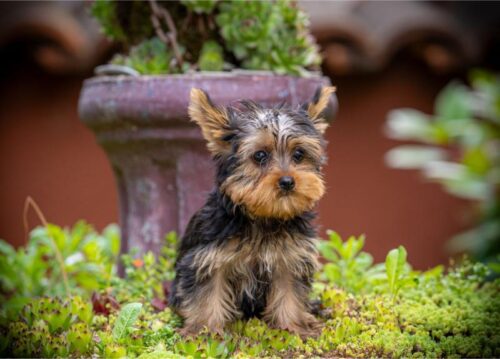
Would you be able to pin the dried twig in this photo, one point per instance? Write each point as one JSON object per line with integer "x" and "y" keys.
{"x": 29, "y": 202}
{"x": 187, "y": 20}
{"x": 170, "y": 38}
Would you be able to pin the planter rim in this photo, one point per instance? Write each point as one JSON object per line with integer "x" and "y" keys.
{"x": 200, "y": 75}
{"x": 163, "y": 100}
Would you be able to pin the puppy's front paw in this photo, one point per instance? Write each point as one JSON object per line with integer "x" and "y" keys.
{"x": 311, "y": 328}
{"x": 307, "y": 327}
{"x": 189, "y": 331}
{"x": 193, "y": 330}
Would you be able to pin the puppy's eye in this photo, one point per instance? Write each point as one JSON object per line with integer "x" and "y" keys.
{"x": 298, "y": 155}
{"x": 260, "y": 156}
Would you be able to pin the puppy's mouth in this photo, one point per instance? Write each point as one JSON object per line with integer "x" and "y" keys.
{"x": 286, "y": 192}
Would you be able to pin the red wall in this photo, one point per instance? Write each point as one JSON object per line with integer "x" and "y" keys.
{"x": 389, "y": 206}
{"x": 47, "y": 153}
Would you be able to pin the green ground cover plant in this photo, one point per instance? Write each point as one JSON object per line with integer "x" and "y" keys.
{"x": 368, "y": 310}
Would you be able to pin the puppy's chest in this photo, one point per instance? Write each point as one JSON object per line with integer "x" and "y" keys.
{"x": 268, "y": 253}
{"x": 253, "y": 255}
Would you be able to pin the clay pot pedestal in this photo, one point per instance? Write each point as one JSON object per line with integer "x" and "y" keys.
{"x": 162, "y": 168}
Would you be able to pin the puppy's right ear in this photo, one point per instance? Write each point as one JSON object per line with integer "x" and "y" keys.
{"x": 319, "y": 108}
{"x": 213, "y": 121}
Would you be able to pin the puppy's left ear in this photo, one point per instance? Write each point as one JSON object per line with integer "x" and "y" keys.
{"x": 212, "y": 120}
{"x": 319, "y": 108}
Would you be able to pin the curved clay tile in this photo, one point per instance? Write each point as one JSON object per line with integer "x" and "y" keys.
{"x": 366, "y": 35}
{"x": 61, "y": 35}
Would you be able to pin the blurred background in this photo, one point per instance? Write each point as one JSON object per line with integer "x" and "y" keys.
{"x": 381, "y": 56}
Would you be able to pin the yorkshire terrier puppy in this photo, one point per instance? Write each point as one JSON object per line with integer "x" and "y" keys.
{"x": 249, "y": 251}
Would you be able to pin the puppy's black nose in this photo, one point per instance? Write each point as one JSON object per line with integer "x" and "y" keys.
{"x": 286, "y": 183}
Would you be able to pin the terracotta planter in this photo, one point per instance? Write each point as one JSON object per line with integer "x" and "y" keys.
{"x": 162, "y": 167}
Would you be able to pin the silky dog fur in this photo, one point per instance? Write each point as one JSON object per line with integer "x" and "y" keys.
{"x": 249, "y": 251}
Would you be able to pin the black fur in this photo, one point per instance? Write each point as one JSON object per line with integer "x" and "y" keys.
{"x": 218, "y": 220}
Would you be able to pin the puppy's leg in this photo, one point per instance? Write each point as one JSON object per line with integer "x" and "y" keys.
{"x": 287, "y": 306}
{"x": 213, "y": 305}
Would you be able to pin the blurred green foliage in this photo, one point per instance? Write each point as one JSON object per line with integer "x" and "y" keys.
{"x": 460, "y": 150}
{"x": 211, "y": 35}
{"x": 211, "y": 57}
{"x": 33, "y": 271}
{"x": 127, "y": 22}
{"x": 105, "y": 12}
{"x": 368, "y": 310}
{"x": 150, "y": 57}
{"x": 348, "y": 267}
{"x": 200, "y": 6}
{"x": 267, "y": 35}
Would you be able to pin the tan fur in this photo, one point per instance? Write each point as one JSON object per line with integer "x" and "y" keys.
{"x": 232, "y": 262}
{"x": 256, "y": 187}
{"x": 237, "y": 259}
{"x": 310, "y": 145}
{"x": 263, "y": 199}
{"x": 315, "y": 109}
{"x": 213, "y": 258}
{"x": 212, "y": 120}
{"x": 285, "y": 307}
{"x": 261, "y": 140}
{"x": 214, "y": 308}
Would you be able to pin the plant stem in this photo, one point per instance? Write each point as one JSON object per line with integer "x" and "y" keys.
{"x": 29, "y": 202}
{"x": 169, "y": 38}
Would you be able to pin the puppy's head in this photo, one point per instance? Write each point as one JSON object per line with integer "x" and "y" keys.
{"x": 269, "y": 160}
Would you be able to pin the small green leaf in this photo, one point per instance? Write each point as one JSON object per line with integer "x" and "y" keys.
{"x": 326, "y": 250}
{"x": 413, "y": 156}
{"x": 6, "y": 249}
{"x": 335, "y": 240}
{"x": 435, "y": 272}
{"x": 126, "y": 319}
{"x": 191, "y": 348}
{"x": 359, "y": 244}
{"x": 348, "y": 248}
{"x": 211, "y": 57}
{"x": 453, "y": 103}
{"x": 394, "y": 266}
{"x": 332, "y": 272}
{"x": 408, "y": 124}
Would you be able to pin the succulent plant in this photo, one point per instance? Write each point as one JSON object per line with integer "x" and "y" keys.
{"x": 210, "y": 35}
{"x": 211, "y": 57}
{"x": 267, "y": 35}
{"x": 79, "y": 338}
{"x": 150, "y": 57}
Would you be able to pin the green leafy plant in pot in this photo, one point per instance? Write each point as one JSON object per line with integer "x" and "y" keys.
{"x": 179, "y": 37}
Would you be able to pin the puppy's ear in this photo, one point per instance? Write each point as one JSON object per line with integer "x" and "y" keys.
{"x": 213, "y": 121}
{"x": 318, "y": 108}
